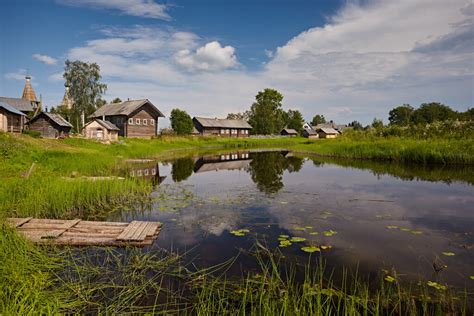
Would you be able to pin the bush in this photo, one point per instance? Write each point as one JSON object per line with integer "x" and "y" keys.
{"x": 34, "y": 134}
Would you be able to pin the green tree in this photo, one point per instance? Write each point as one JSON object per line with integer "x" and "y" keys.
{"x": 238, "y": 116}
{"x": 377, "y": 124}
{"x": 318, "y": 119}
{"x": 432, "y": 112}
{"x": 116, "y": 100}
{"x": 356, "y": 125}
{"x": 266, "y": 114}
{"x": 295, "y": 120}
{"x": 181, "y": 122}
{"x": 100, "y": 102}
{"x": 182, "y": 169}
{"x": 85, "y": 88}
{"x": 401, "y": 115}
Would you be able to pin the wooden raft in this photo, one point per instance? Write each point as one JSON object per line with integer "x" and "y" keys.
{"x": 77, "y": 232}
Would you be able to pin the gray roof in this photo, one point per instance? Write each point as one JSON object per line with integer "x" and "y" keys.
{"x": 18, "y": 103}
{"x": 108, "y": 125}
{"x": 10, "y": 108}
{"x": 124, "y": 108}
{"x": 290, "y": 131}
{"x": 224, "y": 165}
{"x": 329, "y": 130}
{"x": 222, "y": 123}
{"x": 56, "y": 118}
{"x": 309, "y": 131}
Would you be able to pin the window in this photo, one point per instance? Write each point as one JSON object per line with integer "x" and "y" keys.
{"x": 222, "y": 131}
{"x": 130, "y": 121}
{"x": 152, "y": 121}
{"x": 137, "y": 121}
{"x": 227, "y": 131}
{"x": 233, "y": 131}
{"x": 145, "y": 122}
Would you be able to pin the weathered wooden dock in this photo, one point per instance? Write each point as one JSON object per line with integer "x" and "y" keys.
{"x": 77, "y": 232}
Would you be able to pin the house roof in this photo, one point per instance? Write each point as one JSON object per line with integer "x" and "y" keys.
{"x": 309, "y": 131}
{"x": 329, "y": 130}
{"x": 19, "y": 104}
{"x": 108, "y": 125}
{"x": 289, "y": 131}
{"x": 10, "y": 108}
{"x": 56, "y": 118}
{"x": 124, "y": 108}
{"x": 222, "y": 123}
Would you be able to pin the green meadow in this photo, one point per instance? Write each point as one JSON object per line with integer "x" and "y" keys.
{"x": 52, "y": 179}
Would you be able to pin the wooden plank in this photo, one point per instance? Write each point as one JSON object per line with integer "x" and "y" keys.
{"x": 16, "y": 222}
{"x": 129, "y": 230}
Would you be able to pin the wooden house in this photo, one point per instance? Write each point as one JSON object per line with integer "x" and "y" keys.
{"x": 28, "y": 103}
{"x": 134, "y": 118}
{"x": 11, "y": 119}
{"x": 222, "y": 127}
{"x": 50, "y": 125}
{"x": 327, "y": 132}
{"x": 310, "y": 133}
{"x": 288, "y": 132}
{"x": 101, "y": 130}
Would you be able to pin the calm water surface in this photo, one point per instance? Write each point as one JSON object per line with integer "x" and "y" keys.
{"x": 374, "y": 216}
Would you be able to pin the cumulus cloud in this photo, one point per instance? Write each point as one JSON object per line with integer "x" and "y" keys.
{"x": 362, "y": 62}
{"x": 45, "y": 59}
{"x": 17, "y": 75}
{"x": 141, "y": 8}
{"x": 210, "y": 57}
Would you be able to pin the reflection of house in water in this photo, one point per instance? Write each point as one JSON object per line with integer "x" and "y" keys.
{"x": 229, "y": 161}
{"x": 148, "y": 172}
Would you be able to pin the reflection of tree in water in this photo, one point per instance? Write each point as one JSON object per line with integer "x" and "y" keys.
{"x": 182, "y": 169}
{"x": 266, "y": 170}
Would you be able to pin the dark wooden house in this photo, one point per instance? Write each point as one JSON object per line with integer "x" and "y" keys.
{"x": 11, "y": 119}
{"x": 134, "y": 118}
{"x": 222, "y": 127}
{"x": 50, "y": 125}
{"x": 288, "y": 132}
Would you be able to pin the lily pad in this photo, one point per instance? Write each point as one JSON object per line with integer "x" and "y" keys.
{"x": 403, "y": 229}
{"x": 329, "y": 233}
{"x": 284, "y": 236}
{"x": 392, "y": 227}
{"x": 300, "y": 228}
{"x": 314, "y": 233}
{"x": 240, "y": 232}
{"x": 285, "y": 243}
{"x": 297, "y": 239}
{"x": 437, "y": 286}
{"x": 390, "y": 279}
{"x": 310, "y": 249}
{"x": 325, "y": 247}
{"x": 308, "y": 227}
{"x": 471, "y": 277}
{"x": 448, "y": 254}
{"x": 416, "y": 232}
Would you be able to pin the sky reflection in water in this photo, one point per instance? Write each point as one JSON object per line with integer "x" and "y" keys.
{"x": 202, "y": 200}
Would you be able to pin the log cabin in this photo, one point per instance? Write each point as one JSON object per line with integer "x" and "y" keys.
{"x": 101, "y": 130}
{"x": 222, "y": 127}
{"x": 11, "y": 119}
{"x": 50, "y": 125}
{"x": 134, "y": 118}
{"x": 288, "y": 132}
{"x": 327, "y": 132}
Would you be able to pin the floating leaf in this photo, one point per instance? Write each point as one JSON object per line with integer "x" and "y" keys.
{"x": 416, "y": 232}
{"x": 403, "y": 229}
{"x": 308, "y": 227}
{"x": 471, "y": 277}
{"x": 297, "y": 239}
{"x": 310, "y": 249}
{"x": 392, "y": 227}
{"x": 325, "y": 247}
{"x": 284, "y": 236}
{"x": 314, "y": 233}
{"x": 285, "y": 243}
{"x": 449, "y": 254}
{"x": 240, "y": 232}
{"x": 390, "y": 279}
{"x": 283, "y": 202}
{"x": 300, "y": 228}
{"x": 437, "y": 286}
{"x": 329, "y": 233}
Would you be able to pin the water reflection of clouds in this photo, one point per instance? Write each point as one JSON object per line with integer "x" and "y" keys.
{"x": 354, "y": 202}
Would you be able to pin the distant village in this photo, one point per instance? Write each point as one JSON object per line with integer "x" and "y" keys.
{"x": 130, "y": 118}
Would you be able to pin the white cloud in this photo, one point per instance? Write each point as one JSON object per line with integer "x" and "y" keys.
{"x": 56, "y": 77}
{"x": 141, "y": 8}
{"x": 210, "y": 57}
{"x": 365, "y": 60}
{"x": 45, "y": 59}
{"x": 18, "y": 75}
{"x": 269, "y": 53}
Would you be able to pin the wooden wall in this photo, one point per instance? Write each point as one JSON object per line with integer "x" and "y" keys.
{"x": 142, "y": 131}
{"x": 92, "y": 131}
{"x": 10, "y": 122}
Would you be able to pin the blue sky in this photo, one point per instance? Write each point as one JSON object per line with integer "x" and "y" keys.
{"x": 344, "y": 59}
